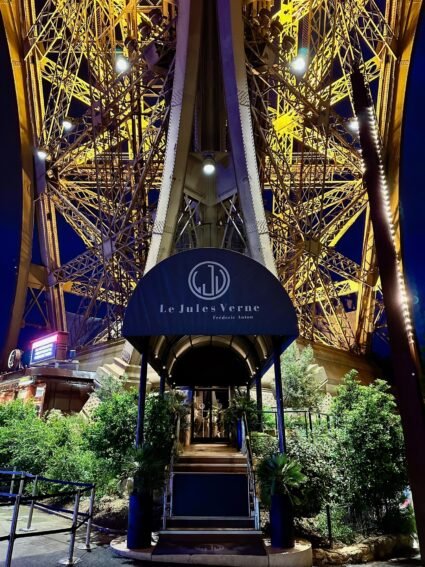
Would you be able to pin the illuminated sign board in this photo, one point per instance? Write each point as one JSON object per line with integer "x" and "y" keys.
{"x": 51, "y": 347}
{"x": 44, "y": 349}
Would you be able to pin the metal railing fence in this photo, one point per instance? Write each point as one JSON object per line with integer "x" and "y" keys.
{"x": 16, "y": 497}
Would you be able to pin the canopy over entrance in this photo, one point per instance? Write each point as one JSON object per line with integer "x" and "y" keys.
{"x": 209, "y": 315}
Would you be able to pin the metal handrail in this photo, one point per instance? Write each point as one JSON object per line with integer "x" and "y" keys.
{"x": 167, "y": 505}
{"x": 251, "y": 473}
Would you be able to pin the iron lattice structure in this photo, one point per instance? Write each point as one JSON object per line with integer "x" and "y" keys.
{"x": 102, "y": 173}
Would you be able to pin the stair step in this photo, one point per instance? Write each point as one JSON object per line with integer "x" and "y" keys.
{"x": 212, "y": 523}
{"x": 236, "y": 459}
{"x": 235, "y": 468}
{"x": 218, "y": 533}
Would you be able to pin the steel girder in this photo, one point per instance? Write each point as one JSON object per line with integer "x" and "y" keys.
{"x": 103, "y": 176}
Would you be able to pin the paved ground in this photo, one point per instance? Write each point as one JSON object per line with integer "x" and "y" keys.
{"x": 47, "y": 551}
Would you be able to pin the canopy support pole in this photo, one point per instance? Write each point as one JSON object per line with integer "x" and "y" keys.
{"x": 142, "y": 395}
{"x": 277, "y": 345}
{"x": 259, "y": 392}
{"x": 162, "y": 384}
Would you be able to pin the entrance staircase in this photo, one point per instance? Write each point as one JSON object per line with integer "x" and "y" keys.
{"x": 211, "y": 497}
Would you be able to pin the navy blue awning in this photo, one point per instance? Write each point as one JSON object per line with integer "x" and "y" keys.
{"x": 215, "y": 293}
{"x": 209, "y": 291}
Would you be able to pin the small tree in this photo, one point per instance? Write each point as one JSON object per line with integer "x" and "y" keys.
{"x": 369, "y": 447}
{"x": 300, "y": 386}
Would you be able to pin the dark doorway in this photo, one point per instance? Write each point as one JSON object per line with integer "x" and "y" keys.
{"x": 208, "y": 415}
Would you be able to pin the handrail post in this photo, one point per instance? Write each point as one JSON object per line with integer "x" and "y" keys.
{"x": 86, "y": 545}
{"x": 14, "y": 522}
{"x": 31, "y": 511}
{"x": 251, "y": 475}
{"x": 71, "y": 560}
{"x": 168, "y": 489}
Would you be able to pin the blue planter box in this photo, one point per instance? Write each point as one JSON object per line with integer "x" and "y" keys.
{"x": 139, "y": 532}
{"x": 281, "y": 522}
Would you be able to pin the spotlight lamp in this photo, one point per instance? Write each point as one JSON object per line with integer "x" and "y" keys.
{"x": 42, "y": 154}
{"x": 353, "y": 125}
{"x": 122, "y": 65}
{"x": 298, "y": 66}
{"x": 208, "y": 166}
{"x": 67, "y": 124}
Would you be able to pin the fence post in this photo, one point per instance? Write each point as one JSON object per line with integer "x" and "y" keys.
{"x": 71, "y": 560}
{"x": 86, "y": 546}
{"x": 31, "y": 511}
{"x": 310, "y": 423}
{"x": 14, "y": 522}
{"x": 329, "y": 523}
{"x": 12, "y": 482}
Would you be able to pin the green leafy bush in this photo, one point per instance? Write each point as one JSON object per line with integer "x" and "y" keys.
{"x": 239, "y": 406}
{"x": 301, "y": 389}
{"x": 342, "y": 529}
{"x": 262, "y": 444}
{"x": 160, "y": 418}
{"x": 316, "y": 460}
{"x": 368, "y": 445}
{"x": 110, "y": 433}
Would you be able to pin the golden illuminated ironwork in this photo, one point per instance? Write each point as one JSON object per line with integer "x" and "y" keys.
{"x": 94, "y": 82}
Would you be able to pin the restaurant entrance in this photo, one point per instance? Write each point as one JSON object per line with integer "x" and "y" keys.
{"x": 208, "y": 415}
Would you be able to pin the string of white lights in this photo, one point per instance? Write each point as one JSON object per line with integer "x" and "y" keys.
{"x": 385, "y": 192}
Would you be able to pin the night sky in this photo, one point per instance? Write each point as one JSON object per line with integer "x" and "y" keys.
{"x": 412, "y": 183}
{"x": 10, "y": 188}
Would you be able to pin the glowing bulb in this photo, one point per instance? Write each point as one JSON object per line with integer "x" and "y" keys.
{"x": 298, "y": 65}
{"x": 121, "y": 64}
{"x": 353, "y": 125}
{"x": 67, "y": 125}
{"x": 41, "y": 154}
{"x": 208, "y": 167}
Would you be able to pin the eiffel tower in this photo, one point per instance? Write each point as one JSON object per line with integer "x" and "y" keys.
{"x": 152, "y": 127}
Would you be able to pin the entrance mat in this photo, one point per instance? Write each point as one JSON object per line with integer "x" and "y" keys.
{"x": 218, "y": 547}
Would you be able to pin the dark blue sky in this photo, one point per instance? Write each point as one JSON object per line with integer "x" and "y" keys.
{"x": 10, "y": 188}
{"x": 412, "y": 182}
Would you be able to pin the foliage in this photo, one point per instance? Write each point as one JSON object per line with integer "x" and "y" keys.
{"x": 110, "y": 385}
{"x": 262, "y": 444}
{"x": 269, "y": 418}
{"x": 342, "y": 529}
{"x": 52, "y": 446}
{"x": 239, "y": 406}
{"x": 369, "y": 445}
{"x": 161, "y": 413}
{"x": 110, "y": 434}
{"x": 23, "y": 438}
{"x": 148, "y": 464}
{"x": 68, "y": 458}
{"x": 278, "y": 474}
{"x": 147, "y": 469}
{"x": 397, "y": 520}
{"x": 315, "y": 458}
{"x": 300, "y": 387}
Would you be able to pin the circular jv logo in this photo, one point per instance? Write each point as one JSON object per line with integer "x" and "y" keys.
{"x": 208, "y": 280}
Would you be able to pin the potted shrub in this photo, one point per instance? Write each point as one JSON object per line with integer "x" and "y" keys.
{"x": 148, "y": 475}
{"x": 233, "y": 415}
{"x": 280, "y": 478}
